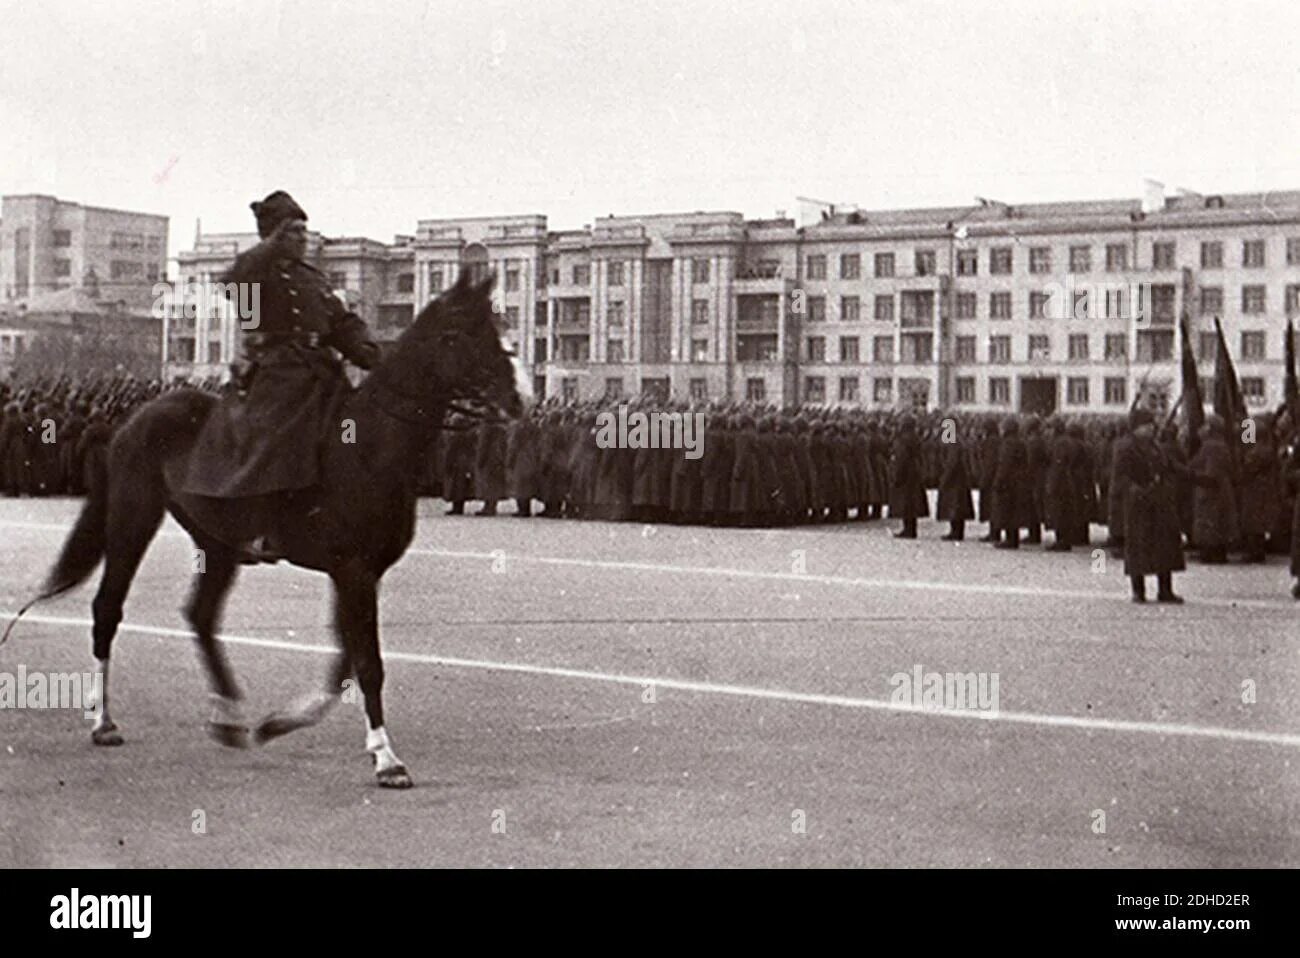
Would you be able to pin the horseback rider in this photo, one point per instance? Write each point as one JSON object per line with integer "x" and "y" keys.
{"x": 262, "y": 442}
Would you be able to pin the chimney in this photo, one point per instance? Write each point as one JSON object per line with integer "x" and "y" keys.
{"x": 1153, "y": 196}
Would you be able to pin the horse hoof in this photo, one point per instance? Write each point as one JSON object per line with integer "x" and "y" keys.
{"x": 108, "y": 735}
{"x": 395, "y": 777}
{"x": 273, "y": 726}
{"x": 231, "y": 736}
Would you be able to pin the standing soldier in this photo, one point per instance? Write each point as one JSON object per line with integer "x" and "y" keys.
{"x": 1036, "y": 479}
{"x": 1009, "y": 487}
{"x": 988, "y": 452}
{"x": 1261, "y": 490}
{"x": 954, "y": 489}
{"x": 490, "y": 466}
{"x": 458, "y": 464}
{"x": 906, "y": 493}
{"x": 1061, "y": 501}
{"x": 522, "y": 440}
{"x": 1214, "y": 510}
{"x": 1152, "y": 541}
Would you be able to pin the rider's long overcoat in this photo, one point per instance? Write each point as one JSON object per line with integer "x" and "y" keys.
{"x": 268, "y": 437}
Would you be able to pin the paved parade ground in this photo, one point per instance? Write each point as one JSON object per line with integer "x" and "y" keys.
{"x": 585, "y": 693}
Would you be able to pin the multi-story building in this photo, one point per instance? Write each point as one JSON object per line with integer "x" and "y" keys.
{"x": 48, "y": 244}
{"x": 1043, "y": 307}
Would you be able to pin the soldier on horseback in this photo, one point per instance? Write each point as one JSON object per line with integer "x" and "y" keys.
{"x": 262, "y": 442}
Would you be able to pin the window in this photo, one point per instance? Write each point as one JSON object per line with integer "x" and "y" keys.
{"x": 582, "y": 275}
{"x": 965, "y": 390}
{"x": 1155, "y": 345}
{"x": 1164, "y": 304}
{"x": 1162, "y": 255}
{"x": 1000, "y": 260}
{"x": 918, "y": 348}
{"x": 1252, "y": 390}
{"x": 1211, "y": 300}
{"x": 699, "y": 350}
{"x": 340, "y": 281}
{"x": 62, "y": 238}
{"x": 850, "y": 309}
{"x": 1116, "y": 257}
{"x": 151, "y": 270}
{"x": 436, "y": 282}
{"x": 699, "y": 311}
{"x": 613, "y": 387}
{"x": 1040, "y": 259}
{"x": 615, "y": 272}
{"x": 882, "y": 349}
{"x": 1292, "y": 299}
{"x": 125, "y": 269}
{"x": 1038, "y": 305}
{"x": 1116, "y": 345}
{"x": 850, "y": 266}
{"x": 1253, "y": 345}
{"x": 816, "y": 349}
{"x": 999, "y": 349}
{"x": 814, "y": 389}
{"x": 1116, "y": 390}
{"x": 1212, "y": 255}
{"x": 817, "y": 266}
{"x": 569, "y": 388}
{"x": 1252, "y": 299}
{"x": 968, "y": 262}
{"x": 406, "y": 283}
{"x": 614, "y": 351}
{"x": 999, "y": 305}
{"x": 1080, "y": 259}
{"x": 1078, "y": 346}
{"x": 1040, "y": 346}
{"x": 512, "y": 317}
{"x": 848, "y": 389}
{"x": 155, "y": 244}
{"x": 1114, "y": 304}
{"x": 1000, "y": 391}
{"x": 816, "y": 309}
{"x": 966, "y": 305}
{"x": 615, "y": 313}
{"x": 1076, "y": 391}
{"x": 882, "y": 390}
{"x": 699, "y": 389}
{"x": 512, "y": 280}
{"x": 755, "y": 389}
{"x": 1209, "y": 346}
{"x": 1079, "y": 309}
{"x": 849, "y": 349}
{"x": 555, "y": 277}
{"x": 885, "y": 308}
{"x": 1252, "y": 254}
{"x": 925, "y": 262}
{"x": 1293, "y": 251}
{"x": 965, "y": 349}
{"x": 63, "y": 267}
{"x": 699, "y": 271}
{"x": 539, "y": 349}
{"x": 884, "y": 264}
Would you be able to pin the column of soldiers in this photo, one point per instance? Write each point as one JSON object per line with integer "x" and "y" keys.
{"x": 765, "y": 467}
{"x": 1022, "y": 475}
{"x": 54, "y": 433}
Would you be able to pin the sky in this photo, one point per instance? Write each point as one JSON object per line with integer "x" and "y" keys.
{"x": 378, "y": 115}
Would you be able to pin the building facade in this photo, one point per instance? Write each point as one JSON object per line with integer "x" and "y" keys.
{"x": 1069, "y": 307}
{"x": 48, "y": 244}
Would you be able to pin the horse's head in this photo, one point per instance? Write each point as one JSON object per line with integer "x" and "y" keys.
{"x": 453, "y": 352}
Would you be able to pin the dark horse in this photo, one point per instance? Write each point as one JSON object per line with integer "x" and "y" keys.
{"x": 361, "y": 521}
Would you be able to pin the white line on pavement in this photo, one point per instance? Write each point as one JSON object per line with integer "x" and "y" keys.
{"x": 743, "y": 691}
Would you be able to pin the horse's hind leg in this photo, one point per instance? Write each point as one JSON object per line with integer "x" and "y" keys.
{"x": 129, "y": 530}
{"x": 212, "y": 582}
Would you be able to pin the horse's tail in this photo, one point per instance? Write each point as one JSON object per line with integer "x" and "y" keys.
{"x": 85, "y": 545}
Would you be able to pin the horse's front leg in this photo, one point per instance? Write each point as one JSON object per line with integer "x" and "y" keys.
{"x": 357, "y": 611}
